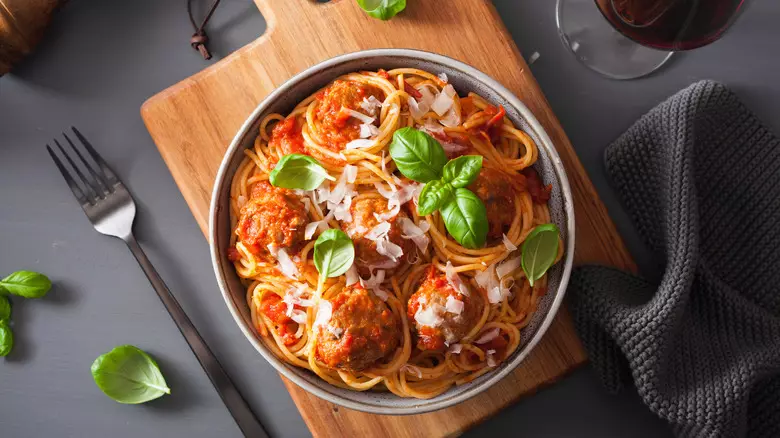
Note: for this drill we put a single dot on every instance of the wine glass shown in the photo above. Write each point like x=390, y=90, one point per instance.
x=626, y=39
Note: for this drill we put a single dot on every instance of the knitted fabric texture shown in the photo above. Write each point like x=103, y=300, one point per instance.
x=700, y=177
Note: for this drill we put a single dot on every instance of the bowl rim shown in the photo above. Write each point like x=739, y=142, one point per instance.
x=223, y=178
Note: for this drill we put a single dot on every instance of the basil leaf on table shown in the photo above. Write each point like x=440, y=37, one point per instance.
x=129, y=375
x=417, y=155
x=26, y=284
x=334, y=253
x=466, y=219
x=462, y=171
x=6, y=338
x=5, y=308
x=382, y=9
x=298, y=171
x=433, y=196
x=539, y=251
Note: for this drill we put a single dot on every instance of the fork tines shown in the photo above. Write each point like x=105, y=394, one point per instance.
x=98, y=181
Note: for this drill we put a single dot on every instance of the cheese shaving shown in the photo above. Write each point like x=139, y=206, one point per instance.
x=350, y=173
x=452, y=118
x=324, y=312
x=358, y=115
x=454, y=279
x=368, y=130
x=335, y=331
x=491, y=360
x=411, y=369
x=360, y=143
x=443, y=77
x=391, y=213
x=416, y=233
x=378, y=231
x=370, y=104
x=508, y=244
x=507, y=267
x=352, y=275
x=241, y=200
x=273, y=249
x=455, y=348
x=312, y=227
x=429, y=316
x=389, y=249
x=454, y=305
x=286, y=265
x=488, y=336
x=298, y=316
x=444, y=101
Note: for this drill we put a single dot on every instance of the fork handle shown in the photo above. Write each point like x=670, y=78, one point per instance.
x=235, y=403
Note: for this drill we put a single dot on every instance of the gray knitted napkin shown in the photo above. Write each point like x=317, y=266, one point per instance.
x=700, y=176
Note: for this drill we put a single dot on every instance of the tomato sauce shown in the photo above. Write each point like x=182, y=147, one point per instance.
x=275, y=309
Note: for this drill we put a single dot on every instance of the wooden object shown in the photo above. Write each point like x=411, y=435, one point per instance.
x=193, y=122
x=22, y=23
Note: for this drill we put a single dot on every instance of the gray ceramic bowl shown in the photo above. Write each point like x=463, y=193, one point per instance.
x=464, y=78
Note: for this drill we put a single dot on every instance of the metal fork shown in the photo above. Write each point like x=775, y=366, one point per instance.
x=111, y=209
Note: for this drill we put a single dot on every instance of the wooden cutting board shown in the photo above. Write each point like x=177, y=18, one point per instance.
x=193, y=122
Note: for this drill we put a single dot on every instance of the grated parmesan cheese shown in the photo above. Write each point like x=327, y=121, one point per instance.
x=416, y=232
x=508, y=244
x=352, y=275
x=488, y=336
x=429, y=316
x=443, y=77
x=491, y=360
x=444, y=101
x=370, y=104
x=411, y=369
x=454, y=305
x=368, y=130
x=454, y=279
x=360, y=143
x=455, y=348
x=358, y=115
x=324, y=312
x=286, y=265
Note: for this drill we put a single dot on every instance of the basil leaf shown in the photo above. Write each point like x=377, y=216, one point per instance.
x=539, y=251
x=462, y=171
x=26, y=284
x=334, y=253
x=6, y=339
x=128, y=375
x=5, y=308
x=382, y=9
x=466, y=219
x=298, y=171
x=433, y=196
x=417, y=155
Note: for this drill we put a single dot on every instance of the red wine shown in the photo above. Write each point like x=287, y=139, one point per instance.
x=671, y=24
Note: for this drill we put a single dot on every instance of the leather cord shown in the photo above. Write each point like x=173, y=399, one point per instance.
x=199, y=38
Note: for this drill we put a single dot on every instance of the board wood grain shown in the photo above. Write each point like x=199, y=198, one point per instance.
x=193, y=122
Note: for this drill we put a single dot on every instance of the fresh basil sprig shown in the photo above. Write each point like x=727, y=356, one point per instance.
x=417, y=155
x=26, y=284
x=334, y=253
x=129, y=375
x=382, y=9
x=539, y=251
x=466, y=218
x=6, y=338
x=420, y=157
x=5, y=308
x=298, y=171
x=462, y=171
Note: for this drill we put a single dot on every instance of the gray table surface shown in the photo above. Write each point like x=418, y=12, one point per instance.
x=101, y=60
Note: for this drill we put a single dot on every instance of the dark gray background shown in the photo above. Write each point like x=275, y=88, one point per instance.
x=101, y=60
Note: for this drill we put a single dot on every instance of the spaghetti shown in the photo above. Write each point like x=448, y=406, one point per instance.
x=417, y=312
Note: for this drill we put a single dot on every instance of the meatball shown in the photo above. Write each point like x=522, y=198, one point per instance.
x=271, y=219
x=363, y=221
x=495, y=189
x=361, y=331
x=337, y=127
x=429, y=302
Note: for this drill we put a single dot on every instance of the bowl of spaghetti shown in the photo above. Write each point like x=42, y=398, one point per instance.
x=392, y=230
